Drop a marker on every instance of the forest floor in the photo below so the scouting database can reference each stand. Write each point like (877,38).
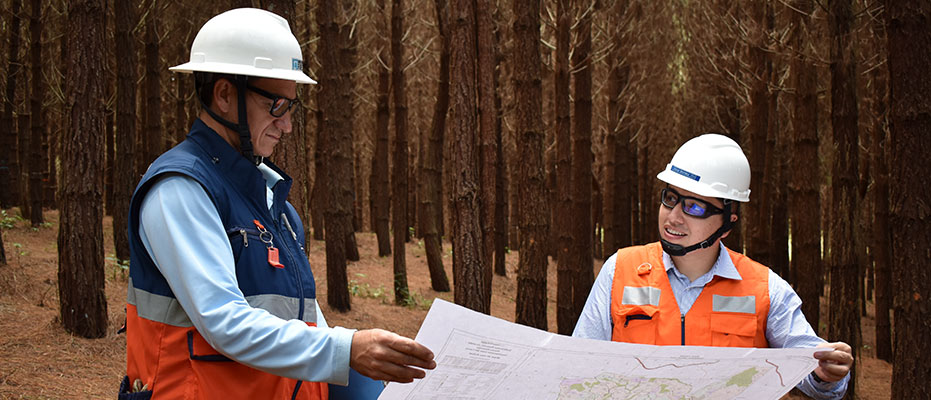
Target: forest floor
(39,360)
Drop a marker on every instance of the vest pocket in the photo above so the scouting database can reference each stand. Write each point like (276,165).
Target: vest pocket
(127,392)
(636,324)
(199,350)
(733,329)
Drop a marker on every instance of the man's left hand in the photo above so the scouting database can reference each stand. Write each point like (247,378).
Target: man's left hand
(834,365)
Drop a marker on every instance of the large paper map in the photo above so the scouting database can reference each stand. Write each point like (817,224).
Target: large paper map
(482,357)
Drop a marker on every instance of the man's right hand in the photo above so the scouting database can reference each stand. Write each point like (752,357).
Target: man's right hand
(386,356)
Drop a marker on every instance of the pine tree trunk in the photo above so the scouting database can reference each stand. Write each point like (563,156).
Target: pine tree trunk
(882,242)
(532,263)
(399,184)
(380,186)
(431,197)
(487,118)
(38,135)
(562,219)
(758,211)
(318,195)
(9,150)
(153,138)
(80,236)
(582,188)
(124,177)
(804,209)
(845,277)
(465,194)
(909,46)
(335,104)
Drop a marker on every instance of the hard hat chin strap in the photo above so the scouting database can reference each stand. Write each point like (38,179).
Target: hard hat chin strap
(242,128)
(678,250)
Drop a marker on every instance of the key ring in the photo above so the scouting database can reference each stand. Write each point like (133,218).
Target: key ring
(262,234)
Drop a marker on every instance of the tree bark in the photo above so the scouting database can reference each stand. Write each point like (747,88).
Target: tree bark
(38,135)
(488,133)
(562,219)
(804,210)
(431,197)
(501,192)
(80,236)
(9,151)
(336,53)
(617,191)
(318,197)
(909,46)
(532,263)
(152,139)
(845,277)
(381,209)
(582,188)
(465,194)
(399,192)
(882,241)
(758,211)
(124,176)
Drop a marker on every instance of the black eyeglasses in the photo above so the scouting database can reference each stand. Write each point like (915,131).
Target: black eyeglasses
(280,104)
(691,206)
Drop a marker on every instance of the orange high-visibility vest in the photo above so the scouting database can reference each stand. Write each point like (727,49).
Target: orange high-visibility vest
(727,313)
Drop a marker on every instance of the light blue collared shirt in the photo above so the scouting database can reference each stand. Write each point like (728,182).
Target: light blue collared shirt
(191,249)
(786,326)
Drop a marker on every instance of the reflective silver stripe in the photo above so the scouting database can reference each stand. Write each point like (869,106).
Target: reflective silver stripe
(641,296)
(738,304)
(284,307)
(157,308)
(167,310)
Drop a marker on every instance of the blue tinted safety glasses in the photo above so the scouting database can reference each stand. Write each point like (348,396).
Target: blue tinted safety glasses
(691,206)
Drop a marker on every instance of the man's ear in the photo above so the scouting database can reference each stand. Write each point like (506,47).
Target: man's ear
(734,218)
(224,96)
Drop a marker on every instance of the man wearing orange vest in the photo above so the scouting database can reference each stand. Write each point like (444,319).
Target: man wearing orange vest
(221,300)
(688,289)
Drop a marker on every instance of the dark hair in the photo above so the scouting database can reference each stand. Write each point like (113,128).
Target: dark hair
(205,81)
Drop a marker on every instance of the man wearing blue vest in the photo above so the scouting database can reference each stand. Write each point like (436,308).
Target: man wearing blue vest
(689,289)
(221,301)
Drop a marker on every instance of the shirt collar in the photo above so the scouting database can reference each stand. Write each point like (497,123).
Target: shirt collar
(723,266)
(271,177)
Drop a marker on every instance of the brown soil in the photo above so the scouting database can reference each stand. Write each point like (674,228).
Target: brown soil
(39,360)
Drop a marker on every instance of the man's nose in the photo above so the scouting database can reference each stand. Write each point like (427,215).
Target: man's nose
(676,214)
(283,123)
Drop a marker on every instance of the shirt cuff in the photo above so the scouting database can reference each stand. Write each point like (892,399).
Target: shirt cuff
(343,339)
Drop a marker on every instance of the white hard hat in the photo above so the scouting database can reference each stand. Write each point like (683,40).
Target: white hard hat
(710,165)
(250,42)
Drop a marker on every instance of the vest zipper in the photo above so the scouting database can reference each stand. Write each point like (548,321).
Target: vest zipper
(683,329)
(246,233)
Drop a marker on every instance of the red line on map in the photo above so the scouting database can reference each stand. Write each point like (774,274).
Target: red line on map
(782,382)
(671,364)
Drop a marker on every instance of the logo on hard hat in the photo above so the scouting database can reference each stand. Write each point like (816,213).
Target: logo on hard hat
(685,173)
(297,65)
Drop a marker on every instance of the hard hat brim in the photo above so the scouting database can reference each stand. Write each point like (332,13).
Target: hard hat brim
(233,69)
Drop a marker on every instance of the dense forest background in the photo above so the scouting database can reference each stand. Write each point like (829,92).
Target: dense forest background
(506,125)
